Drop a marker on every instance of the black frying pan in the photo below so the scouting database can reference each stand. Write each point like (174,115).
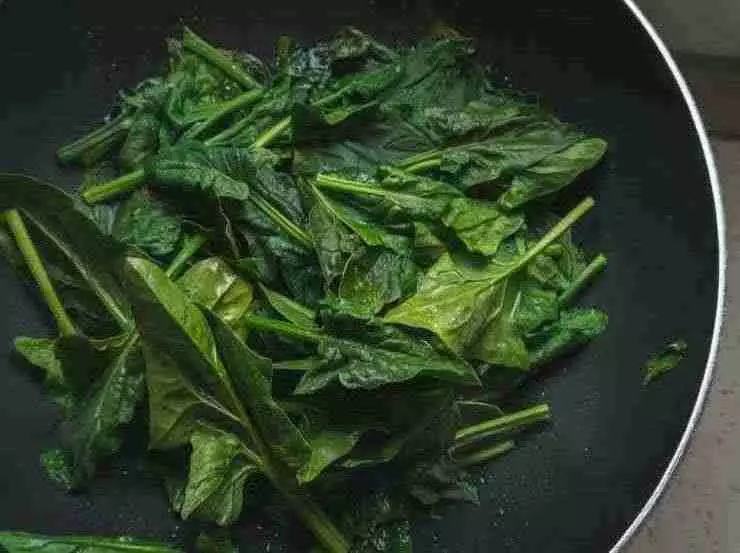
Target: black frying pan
(575,487)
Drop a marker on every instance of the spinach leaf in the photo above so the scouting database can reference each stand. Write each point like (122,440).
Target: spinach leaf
(93,430)
(457,300)
(212,283)
(665,360)
(144,223)
(477,223)
(220,466)
(75,236)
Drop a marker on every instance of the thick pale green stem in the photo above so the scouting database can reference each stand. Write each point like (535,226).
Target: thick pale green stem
(286,224)
(121,185)
(89,148)
(485,455)
(553,234)
(272,133)
(500,426)
(592,269)
(38,271)
(332,182)
(423,165)
(193,43)
(190,248)
(240,102)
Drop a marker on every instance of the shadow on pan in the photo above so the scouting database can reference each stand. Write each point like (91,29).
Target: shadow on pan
(572,488)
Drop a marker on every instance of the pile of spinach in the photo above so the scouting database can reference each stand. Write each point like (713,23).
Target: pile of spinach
(317,272)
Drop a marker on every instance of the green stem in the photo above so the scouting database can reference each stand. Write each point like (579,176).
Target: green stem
(286,224)
(553,234)
(500,425)
(290,330)
(217,58)
(230,132)
(38,271)
(264,139)
(332,182)
(592,269)
(240,102)
(328,535)
(97,143)
(190,247)
(485,455)
(125,183)
(419,166)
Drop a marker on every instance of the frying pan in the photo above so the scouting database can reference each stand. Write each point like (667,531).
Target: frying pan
(583,484)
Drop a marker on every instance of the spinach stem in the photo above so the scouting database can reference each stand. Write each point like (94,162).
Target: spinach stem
(272,133)
(36,266)
(196,45)
(189,249)
(485,455)
(500,425)
(290,330)
(125,183)
(333,182)
(291,228)
(422,165)
(553,234)
(597,265)
(242,101)
(100,139)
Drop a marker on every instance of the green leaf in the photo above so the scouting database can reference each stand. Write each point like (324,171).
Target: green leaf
(21,542)
(553,173)
(283,439)
(142,222)
(77,237)
(368,354)
(665,360)
(171,323)
(175,405)
(213,284)
(522,309)
(191,166)
(477,223)
(574,328)
(220,466)
(377,278)
(93,431)
(42,353)
(457,298)
(142,140)
(292,311)
(480,226)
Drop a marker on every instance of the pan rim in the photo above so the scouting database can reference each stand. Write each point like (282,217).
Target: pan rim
(711,364)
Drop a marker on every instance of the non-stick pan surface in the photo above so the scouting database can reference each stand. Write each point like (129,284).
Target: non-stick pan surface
(574,487)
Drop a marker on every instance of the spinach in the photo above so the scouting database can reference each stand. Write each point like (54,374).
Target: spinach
(18,542)
(311,274)
(665,360)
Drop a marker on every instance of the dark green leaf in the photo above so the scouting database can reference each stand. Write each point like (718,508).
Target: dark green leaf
(93,431)
(368,354)
(276,429)
(213,284)
(92,254)
(665,360)
(574,328)
(143,222)
(220,466)
(376,279)
(292,311)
